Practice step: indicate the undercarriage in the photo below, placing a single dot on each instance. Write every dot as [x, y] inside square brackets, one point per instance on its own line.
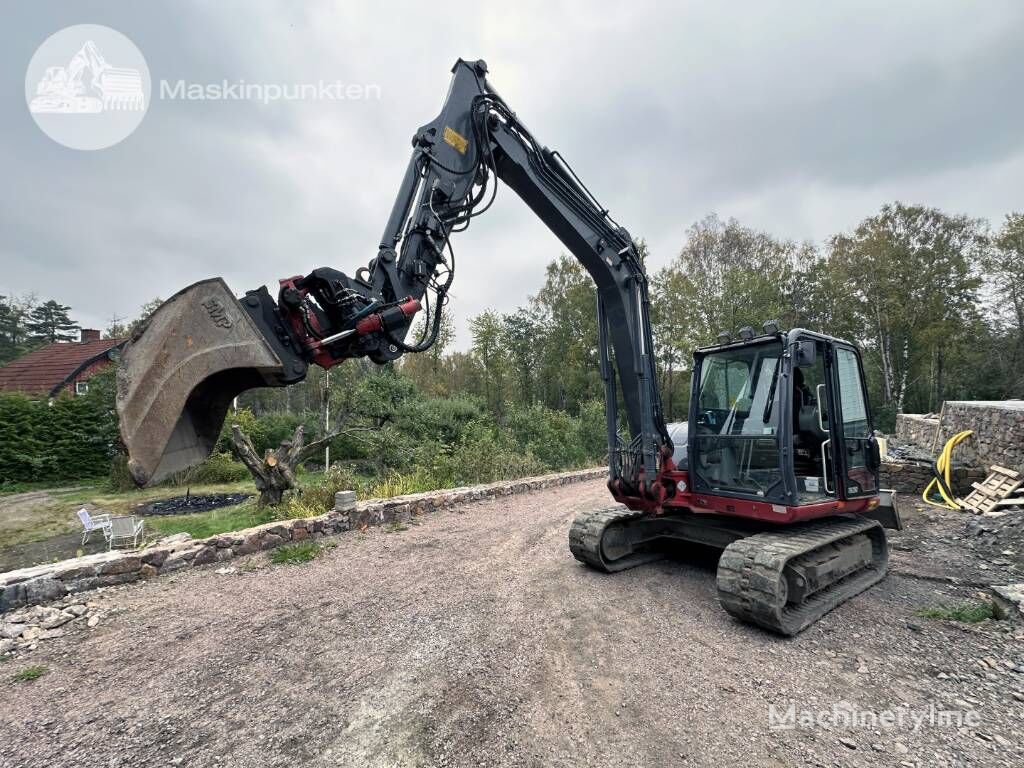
[782, 579]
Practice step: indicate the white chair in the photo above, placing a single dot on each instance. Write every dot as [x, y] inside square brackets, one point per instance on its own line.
[125, 530]
[90, 524]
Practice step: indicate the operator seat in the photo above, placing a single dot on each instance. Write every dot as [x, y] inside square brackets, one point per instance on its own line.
[807, 433]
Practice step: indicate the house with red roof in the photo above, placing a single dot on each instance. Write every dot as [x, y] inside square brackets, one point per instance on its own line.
[63, 365]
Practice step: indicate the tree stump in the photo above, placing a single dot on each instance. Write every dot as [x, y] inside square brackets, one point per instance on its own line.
[274, 474]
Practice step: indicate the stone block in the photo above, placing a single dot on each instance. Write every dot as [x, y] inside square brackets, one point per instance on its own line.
[155, 557]
[148, 571]
[205, 556]
[127, 564]
[360, 518]
[43, 589]
[270, 541]
[73, 574]
[83, 585]
[344, 501]
[248, 546]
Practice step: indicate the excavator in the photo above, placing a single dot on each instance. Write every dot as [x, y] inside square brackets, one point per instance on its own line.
[776, 466]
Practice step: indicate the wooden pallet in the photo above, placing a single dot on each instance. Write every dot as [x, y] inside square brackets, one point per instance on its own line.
[987, 495]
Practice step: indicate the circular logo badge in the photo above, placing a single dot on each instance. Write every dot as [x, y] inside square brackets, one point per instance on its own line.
[87, 87]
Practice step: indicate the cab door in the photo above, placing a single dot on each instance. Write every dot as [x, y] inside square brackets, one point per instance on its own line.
[851, 450]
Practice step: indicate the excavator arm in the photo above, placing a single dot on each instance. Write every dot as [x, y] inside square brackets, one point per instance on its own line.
[203, 347]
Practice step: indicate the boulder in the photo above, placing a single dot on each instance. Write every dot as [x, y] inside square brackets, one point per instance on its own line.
[156, 556]
[248, 546]
[205, 555]
[43, 589]
[127, 564]
[270, 541]
[11, 631]
[148, 571]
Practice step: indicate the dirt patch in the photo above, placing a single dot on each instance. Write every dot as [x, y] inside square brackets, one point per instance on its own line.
[476, 639]
[41, 527]
[62, 547]
[37, 515]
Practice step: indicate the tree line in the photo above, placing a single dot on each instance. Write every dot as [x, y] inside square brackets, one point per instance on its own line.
[934, 301]
[27, 323]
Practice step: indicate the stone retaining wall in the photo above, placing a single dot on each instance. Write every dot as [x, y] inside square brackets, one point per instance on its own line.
[43, 583]
[911, 477]
[998, 431]
[916, 428]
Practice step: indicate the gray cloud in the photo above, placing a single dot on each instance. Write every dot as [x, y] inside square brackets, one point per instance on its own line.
[799, 118]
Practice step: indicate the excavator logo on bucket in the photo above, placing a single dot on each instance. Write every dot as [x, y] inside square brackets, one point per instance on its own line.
[218, 313]
[87, 87]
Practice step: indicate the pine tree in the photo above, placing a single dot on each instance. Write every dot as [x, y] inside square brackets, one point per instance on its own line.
[13, 333]
[49, 322]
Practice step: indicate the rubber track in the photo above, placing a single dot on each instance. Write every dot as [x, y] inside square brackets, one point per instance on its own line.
[585, 540]
[750, 571]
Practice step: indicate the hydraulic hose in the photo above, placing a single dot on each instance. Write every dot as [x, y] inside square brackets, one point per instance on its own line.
[942, 468]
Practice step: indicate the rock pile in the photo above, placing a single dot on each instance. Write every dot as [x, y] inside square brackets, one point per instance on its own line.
[24, 629]
[998, 538]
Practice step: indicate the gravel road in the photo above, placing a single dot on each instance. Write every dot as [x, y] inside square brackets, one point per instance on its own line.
[475, 639]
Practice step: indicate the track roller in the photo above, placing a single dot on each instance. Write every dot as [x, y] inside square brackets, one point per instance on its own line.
[598, 539]
[786, 580]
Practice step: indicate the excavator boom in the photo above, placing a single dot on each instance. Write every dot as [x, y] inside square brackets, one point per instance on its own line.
[203, 347]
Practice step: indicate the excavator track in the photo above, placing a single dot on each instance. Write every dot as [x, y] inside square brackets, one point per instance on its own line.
[759, 575]
[592, 540]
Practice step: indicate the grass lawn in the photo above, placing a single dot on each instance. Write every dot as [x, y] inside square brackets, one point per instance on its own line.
[51, 511]
[203, 524]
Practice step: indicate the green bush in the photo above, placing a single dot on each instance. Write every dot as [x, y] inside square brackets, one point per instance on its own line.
[218, 468]
[558, 439]
[69, 438]
[440, 419]
[317, 498]
[120, 478]
[592, 431]
[484, 454]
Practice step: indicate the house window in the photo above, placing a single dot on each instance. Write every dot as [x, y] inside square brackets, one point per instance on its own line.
[81, 387]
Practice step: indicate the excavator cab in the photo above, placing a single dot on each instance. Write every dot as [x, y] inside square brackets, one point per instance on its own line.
[783, 418]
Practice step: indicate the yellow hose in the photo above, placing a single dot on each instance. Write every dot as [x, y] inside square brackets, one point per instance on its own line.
[944, 464]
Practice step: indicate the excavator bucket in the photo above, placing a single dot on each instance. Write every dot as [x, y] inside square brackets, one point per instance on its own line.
[179, 374]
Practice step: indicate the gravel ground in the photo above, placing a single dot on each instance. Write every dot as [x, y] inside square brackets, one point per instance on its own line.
[475, 639]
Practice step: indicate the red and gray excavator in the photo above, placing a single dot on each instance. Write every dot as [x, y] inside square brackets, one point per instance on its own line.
[776, 466]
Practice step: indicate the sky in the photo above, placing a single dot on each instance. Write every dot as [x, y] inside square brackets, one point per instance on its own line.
[797, 118]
